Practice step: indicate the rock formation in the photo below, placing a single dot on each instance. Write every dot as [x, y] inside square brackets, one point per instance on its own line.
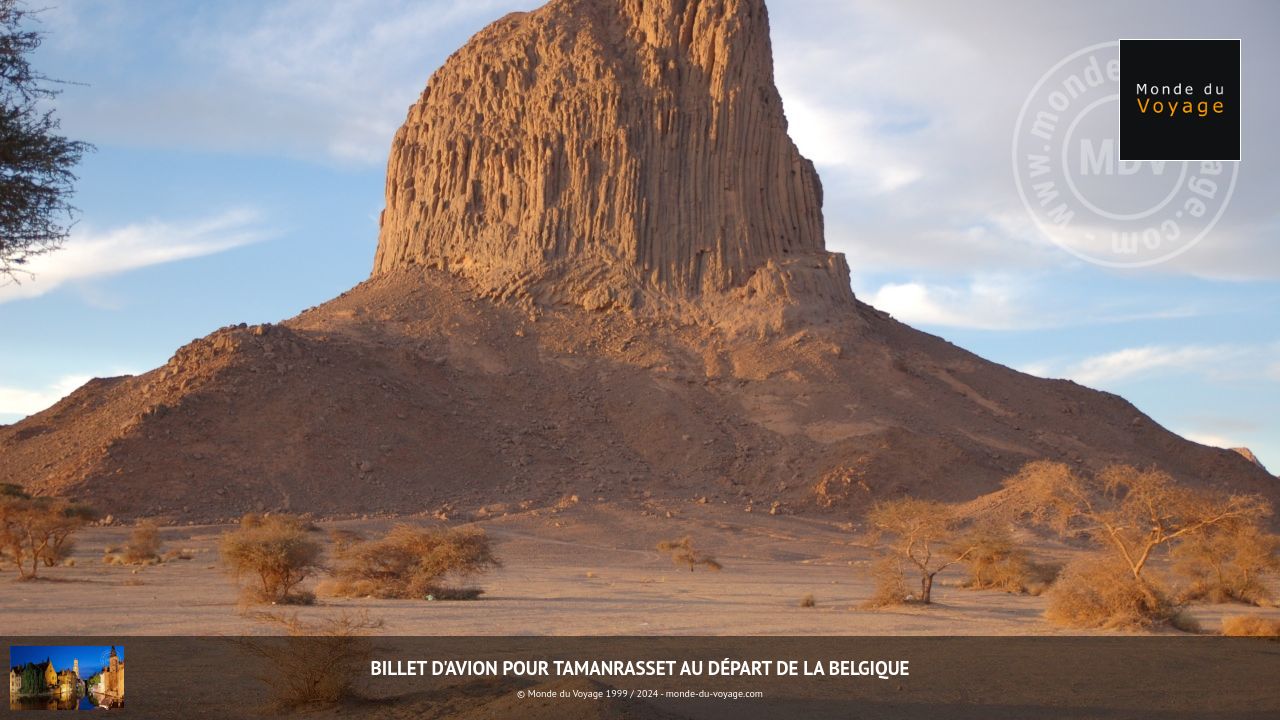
[621, 154]
[1248, 455]
[586, 211]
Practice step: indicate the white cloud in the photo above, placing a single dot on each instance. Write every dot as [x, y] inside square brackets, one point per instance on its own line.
[845, 139]
[908, 109]
[20, 402]
[1212, 440]
[1125, 364]
[89, 253]
[321, 81]
[1212, 361]
[984, 304]
[1003, 302]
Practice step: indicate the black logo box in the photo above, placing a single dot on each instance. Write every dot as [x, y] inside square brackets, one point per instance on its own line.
[1186, 64]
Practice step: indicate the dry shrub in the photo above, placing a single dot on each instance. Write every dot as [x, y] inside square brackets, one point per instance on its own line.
[412, 562]
[683, 552]
[275, 554]
[143, 545]
[890, 584]
[37, 531]
[808, 601]
[318, 663]
[343, 539]
[1182, 620]
[1098, 592]
[995, 562]
[1250, 626]
[1229, 565]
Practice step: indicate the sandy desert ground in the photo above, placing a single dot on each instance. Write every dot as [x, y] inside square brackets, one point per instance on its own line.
[586, 569]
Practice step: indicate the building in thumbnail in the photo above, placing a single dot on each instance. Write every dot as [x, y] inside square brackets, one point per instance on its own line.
[111, 679]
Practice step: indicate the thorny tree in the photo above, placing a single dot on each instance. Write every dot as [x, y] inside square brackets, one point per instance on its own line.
[921, 534]
[36, 178]
[1129, 510]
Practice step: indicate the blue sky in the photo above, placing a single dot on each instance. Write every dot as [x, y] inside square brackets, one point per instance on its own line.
[92, 657]
[242, 145]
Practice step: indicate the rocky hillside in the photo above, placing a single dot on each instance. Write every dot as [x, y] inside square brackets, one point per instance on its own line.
[417, 393]
[601, 273]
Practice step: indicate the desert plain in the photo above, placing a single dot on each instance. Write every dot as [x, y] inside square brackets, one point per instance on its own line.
[571, 569]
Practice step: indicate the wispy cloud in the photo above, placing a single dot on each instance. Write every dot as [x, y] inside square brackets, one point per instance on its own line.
[17, 402]
[1131, 362]
[1212, 362]
[1212, 440]
[326, 82]
[90, 253]
[1004, 302]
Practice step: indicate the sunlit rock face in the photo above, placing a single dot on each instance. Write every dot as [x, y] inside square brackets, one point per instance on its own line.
[611, 154]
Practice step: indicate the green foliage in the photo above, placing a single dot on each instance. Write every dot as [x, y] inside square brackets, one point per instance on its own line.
[32, 682]
[36, 178]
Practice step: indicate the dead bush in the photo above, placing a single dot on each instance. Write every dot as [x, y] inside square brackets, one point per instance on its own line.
[318, 663]
[412, 562]
[143, 545]
[1230, 564]
[1250, 626]
[682, 552]
[890, 584]
[808, 601]
[343, 539]
[995, 562]
[272, 555]
[1098, 592]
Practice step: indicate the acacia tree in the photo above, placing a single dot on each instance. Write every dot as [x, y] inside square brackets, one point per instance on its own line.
[922, 535]
[37, 530]
[36, 178]
[1131, 511]
[1229, 563]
